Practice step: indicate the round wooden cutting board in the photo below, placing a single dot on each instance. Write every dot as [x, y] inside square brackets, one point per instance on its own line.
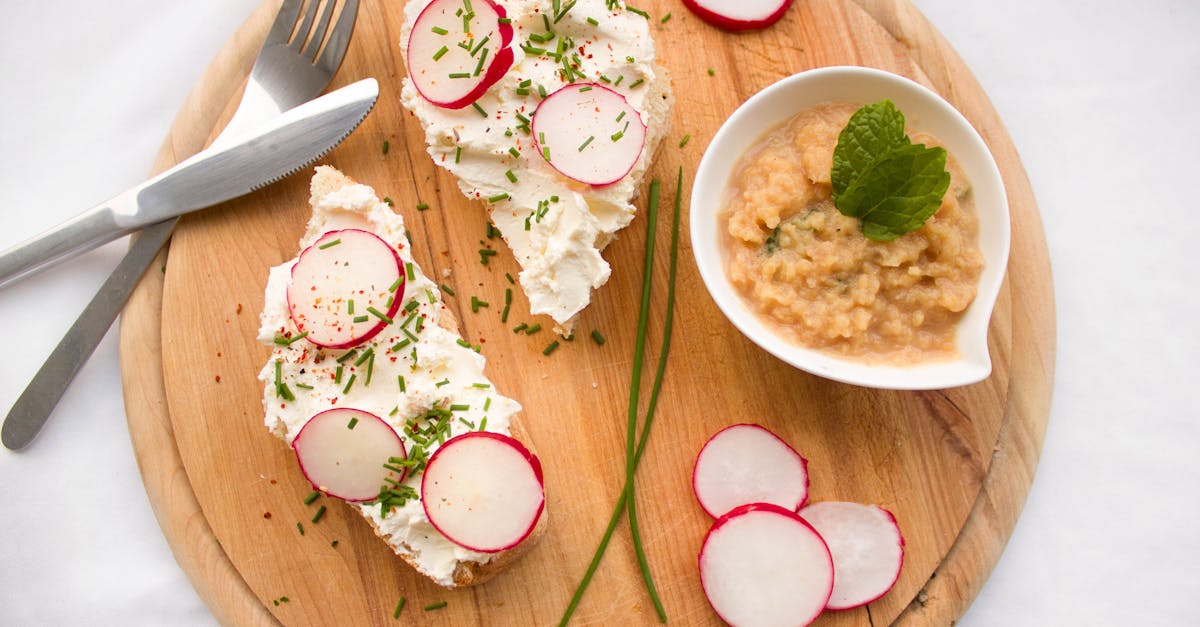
[953, 465]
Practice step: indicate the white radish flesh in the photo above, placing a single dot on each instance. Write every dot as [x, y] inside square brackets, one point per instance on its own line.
[589, 133]
[867, 550]
[458, 49]
[746, 463]
[739, 14]
[763, 565]
[342, 452]
[483, 491]
[344, 288]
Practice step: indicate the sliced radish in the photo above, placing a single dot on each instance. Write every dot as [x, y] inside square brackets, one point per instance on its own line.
[483, 491]
[589, 133]
[739, 14]
[763, 565]
[458, 49]
[342, 452]
[345, 288]
[867, 550]
[748, 464]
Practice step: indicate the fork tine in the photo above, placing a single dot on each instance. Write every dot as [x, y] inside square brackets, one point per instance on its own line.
[285, 22]
[318, 34]
[305, 26]
[339, 38]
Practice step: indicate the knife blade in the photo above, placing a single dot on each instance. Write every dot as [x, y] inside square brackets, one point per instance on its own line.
[36, 403]
[261, 156]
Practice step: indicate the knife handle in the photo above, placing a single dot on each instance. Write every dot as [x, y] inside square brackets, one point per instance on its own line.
[35, 404]
[77, 235]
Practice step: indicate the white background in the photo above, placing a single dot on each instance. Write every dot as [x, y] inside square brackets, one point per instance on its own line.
[1101, 98]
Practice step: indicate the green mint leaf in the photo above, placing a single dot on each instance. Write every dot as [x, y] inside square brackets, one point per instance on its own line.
[898, 192]
[871, 132]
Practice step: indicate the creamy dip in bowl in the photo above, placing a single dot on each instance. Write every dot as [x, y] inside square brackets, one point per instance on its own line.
[966, 359]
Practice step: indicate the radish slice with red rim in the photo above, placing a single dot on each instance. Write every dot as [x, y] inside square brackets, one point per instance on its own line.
[458, 49]
[483, 491]
[344, 452]
[739, 14]
[589, 133]
[746, 463]
[761, 564]
[345, 288]
[867, 550]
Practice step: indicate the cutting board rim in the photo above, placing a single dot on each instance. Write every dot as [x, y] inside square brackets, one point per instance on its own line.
[957, 580]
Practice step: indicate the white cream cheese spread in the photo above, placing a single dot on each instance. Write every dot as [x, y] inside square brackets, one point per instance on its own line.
[415, 366]
[556, 227]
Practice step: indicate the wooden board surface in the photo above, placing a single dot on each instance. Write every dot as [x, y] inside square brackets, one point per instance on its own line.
[953, 465]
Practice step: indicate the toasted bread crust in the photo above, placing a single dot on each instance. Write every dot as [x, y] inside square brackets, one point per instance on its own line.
[328, 180]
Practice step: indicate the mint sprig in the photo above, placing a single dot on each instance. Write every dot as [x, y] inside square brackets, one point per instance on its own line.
[880, 177]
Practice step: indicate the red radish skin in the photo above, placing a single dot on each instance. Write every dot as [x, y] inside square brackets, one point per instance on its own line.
[359, 267]
[342, 451]
[739, 14]
[867, 550]
[440, 80]
[761, 564]
[590, 133]
[483, 491]
[746, 463]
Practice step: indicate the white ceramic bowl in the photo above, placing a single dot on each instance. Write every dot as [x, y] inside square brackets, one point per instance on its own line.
[768, 110]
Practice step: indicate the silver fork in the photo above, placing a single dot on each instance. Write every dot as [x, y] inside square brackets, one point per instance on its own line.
[294, 65]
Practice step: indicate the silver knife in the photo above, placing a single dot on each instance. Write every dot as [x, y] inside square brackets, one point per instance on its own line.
[289, 142]
[262, 156]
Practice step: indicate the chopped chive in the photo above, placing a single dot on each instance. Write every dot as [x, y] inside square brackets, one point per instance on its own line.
[487, 404]
[507, 296]
[525, 83]
[605, 79]
[483, 423]
[412, 304]
[407, 321]
[636, 83]
[317, 516]
[367, 354]
[533, 50]
[498, 197]
[461, 75]
[288, 341]
[370, 369]
[349, 384]
[304, 386]
[286, 393]
[665, 18]
[550, 349]
[353, 423]
[618, 81]
[409, 272]
[504, 20]
[439, 30]
[484, 253]
[330, 244]
[312, 496]
[399, 346]
[386, 146]
[567, 9]
[468, 423]
[442, 382]
[460, 408]
[593, 21]
[480, 45]
[481, 386]
[711, 72]
[514, 152]
[541, 90]
[683, 142]
[379, 314]
[422, 206]
[504, 315]
[476, 304]
[440, 53]
[510, 278]
[399, 606]
[362, 318]
[446, 289]
[348, 356]
[533, 329]
[300, 528]
[479, 66]
[586, 142]
[598, 337]
[520, 327]
[508, 174]
[435, 606]
[400, 380]
[546, 153]
[638, 11]
[337, 376]
[457, 154]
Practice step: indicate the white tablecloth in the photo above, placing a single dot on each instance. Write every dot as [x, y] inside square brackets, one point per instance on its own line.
[1100, 98]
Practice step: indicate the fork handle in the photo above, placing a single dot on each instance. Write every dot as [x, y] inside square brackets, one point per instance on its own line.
[36, 403]
[79, 234]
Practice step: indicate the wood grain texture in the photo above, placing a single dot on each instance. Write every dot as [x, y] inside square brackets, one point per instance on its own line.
[953, 465]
